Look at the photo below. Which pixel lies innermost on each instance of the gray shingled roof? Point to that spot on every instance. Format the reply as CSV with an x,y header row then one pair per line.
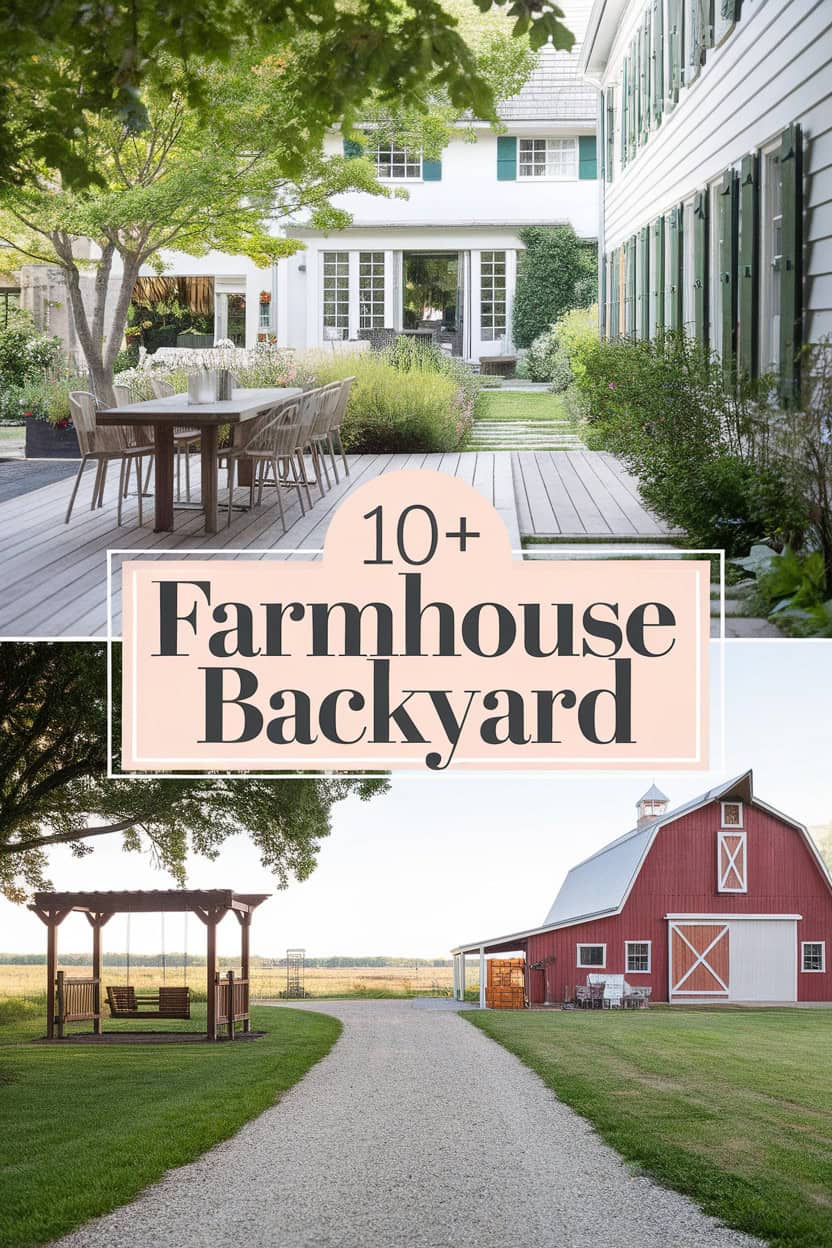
x,y
555,89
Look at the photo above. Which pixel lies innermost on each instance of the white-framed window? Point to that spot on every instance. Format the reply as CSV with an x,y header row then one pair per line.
x,y
637,957
732,861
547,158
592,957
731,814
396,164
493,303
813,956
371,290
336,293
265,318
771,260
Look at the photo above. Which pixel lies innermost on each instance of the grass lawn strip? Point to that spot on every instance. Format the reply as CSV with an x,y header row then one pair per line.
x,y
518,405
84,1129
731,1108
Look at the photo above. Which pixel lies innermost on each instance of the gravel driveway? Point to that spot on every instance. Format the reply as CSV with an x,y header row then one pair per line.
x,y
419,1131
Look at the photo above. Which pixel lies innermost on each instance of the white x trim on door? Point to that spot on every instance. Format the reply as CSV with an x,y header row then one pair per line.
x,y
701,958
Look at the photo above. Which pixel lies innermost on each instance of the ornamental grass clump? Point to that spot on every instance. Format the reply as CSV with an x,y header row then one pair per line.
x,y
398,411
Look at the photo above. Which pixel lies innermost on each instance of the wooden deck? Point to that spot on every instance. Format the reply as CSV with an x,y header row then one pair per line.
x,y
579,496
54,575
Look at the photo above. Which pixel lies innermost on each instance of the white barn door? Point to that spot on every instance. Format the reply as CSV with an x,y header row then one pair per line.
x,y
734,959
764,960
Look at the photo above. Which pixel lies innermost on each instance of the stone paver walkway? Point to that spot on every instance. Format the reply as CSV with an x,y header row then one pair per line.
x,y
415,1132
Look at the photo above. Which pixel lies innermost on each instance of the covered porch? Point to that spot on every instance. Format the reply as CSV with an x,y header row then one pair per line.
x,y
514,948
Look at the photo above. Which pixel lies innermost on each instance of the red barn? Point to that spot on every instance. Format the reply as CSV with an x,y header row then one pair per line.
x,y
722,899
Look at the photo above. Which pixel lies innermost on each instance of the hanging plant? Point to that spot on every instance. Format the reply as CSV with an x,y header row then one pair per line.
x,y
265,296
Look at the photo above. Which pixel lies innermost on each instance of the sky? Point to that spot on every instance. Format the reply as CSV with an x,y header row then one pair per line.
x,y
445,859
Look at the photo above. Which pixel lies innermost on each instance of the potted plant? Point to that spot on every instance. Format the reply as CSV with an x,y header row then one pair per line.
x,y
44,407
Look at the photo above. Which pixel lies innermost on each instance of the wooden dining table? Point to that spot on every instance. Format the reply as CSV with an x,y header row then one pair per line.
x,y
175,412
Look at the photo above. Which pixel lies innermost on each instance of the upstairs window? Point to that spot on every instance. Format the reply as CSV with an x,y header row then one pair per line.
x,y
396,164
732,814
547,158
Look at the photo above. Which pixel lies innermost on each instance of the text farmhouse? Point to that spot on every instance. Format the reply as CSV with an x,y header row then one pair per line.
x,y
255,687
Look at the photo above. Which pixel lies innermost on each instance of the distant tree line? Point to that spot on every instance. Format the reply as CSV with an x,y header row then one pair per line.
x,y
180,959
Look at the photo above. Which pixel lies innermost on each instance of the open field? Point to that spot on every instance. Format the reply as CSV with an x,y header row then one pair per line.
x,y
343,981
68,1153
731,1107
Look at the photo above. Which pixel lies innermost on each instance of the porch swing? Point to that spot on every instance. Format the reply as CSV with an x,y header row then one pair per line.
x,y
162,1002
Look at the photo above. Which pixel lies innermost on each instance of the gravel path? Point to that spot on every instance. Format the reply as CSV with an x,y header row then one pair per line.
x,y
415,1132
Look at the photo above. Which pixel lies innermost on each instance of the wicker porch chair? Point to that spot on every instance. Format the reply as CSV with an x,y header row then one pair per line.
x,y
185,439
104,445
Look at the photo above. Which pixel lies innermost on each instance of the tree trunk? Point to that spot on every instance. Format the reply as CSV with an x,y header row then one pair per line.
x,y
99,350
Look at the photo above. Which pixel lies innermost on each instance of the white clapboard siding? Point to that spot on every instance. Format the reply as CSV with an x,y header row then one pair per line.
x,y
773,69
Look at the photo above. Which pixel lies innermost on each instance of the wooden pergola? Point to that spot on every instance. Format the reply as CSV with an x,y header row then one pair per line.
x,y
227,1001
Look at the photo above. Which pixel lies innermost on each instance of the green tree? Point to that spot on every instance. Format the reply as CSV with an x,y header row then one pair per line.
x,y
557,272
54,790
63,66
177,185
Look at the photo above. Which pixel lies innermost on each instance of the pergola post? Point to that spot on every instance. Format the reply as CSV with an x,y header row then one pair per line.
x,y
245,959
53,919
482,977
462,977
211,974
96,922
456,977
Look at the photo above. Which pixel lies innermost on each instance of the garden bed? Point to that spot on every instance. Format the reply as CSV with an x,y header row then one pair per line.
x,y
46,441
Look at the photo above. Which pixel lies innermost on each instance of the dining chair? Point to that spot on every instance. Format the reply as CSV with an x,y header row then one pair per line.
x,y
335,428
271,438
308,407
319,440
103,444
140,435
185,439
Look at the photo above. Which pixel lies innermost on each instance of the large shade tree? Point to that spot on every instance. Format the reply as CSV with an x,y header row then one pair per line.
x,y
65,64
180,185
54,790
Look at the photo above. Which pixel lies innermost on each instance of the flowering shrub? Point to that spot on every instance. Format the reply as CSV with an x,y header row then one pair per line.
x,y
24,353
48,400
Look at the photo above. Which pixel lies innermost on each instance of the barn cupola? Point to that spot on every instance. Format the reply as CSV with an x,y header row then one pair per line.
x,y
651,806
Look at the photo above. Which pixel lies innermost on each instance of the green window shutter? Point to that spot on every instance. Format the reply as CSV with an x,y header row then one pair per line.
x,y
615,305
748,344
632,288
646,78
609,164
674,273
730,9
352,149
706,22
644,283
506,158
675,34
632,107
701,239
658,271
624,110
700,266
639,87
431,170
658,60
602,298
790,165
587,157
728,219
693,50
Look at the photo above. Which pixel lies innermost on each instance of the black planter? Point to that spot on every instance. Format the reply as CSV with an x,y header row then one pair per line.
x,y
44,441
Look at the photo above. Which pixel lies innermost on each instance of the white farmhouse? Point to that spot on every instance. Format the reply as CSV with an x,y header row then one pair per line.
x,y
715,153
444,259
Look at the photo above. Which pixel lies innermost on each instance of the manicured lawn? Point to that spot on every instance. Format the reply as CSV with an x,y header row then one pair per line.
x,y
82,1130
519,405
732,1107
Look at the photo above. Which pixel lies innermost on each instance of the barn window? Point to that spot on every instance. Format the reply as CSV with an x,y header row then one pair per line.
x,y
637,956
732,814
732,866
592,956
813,955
